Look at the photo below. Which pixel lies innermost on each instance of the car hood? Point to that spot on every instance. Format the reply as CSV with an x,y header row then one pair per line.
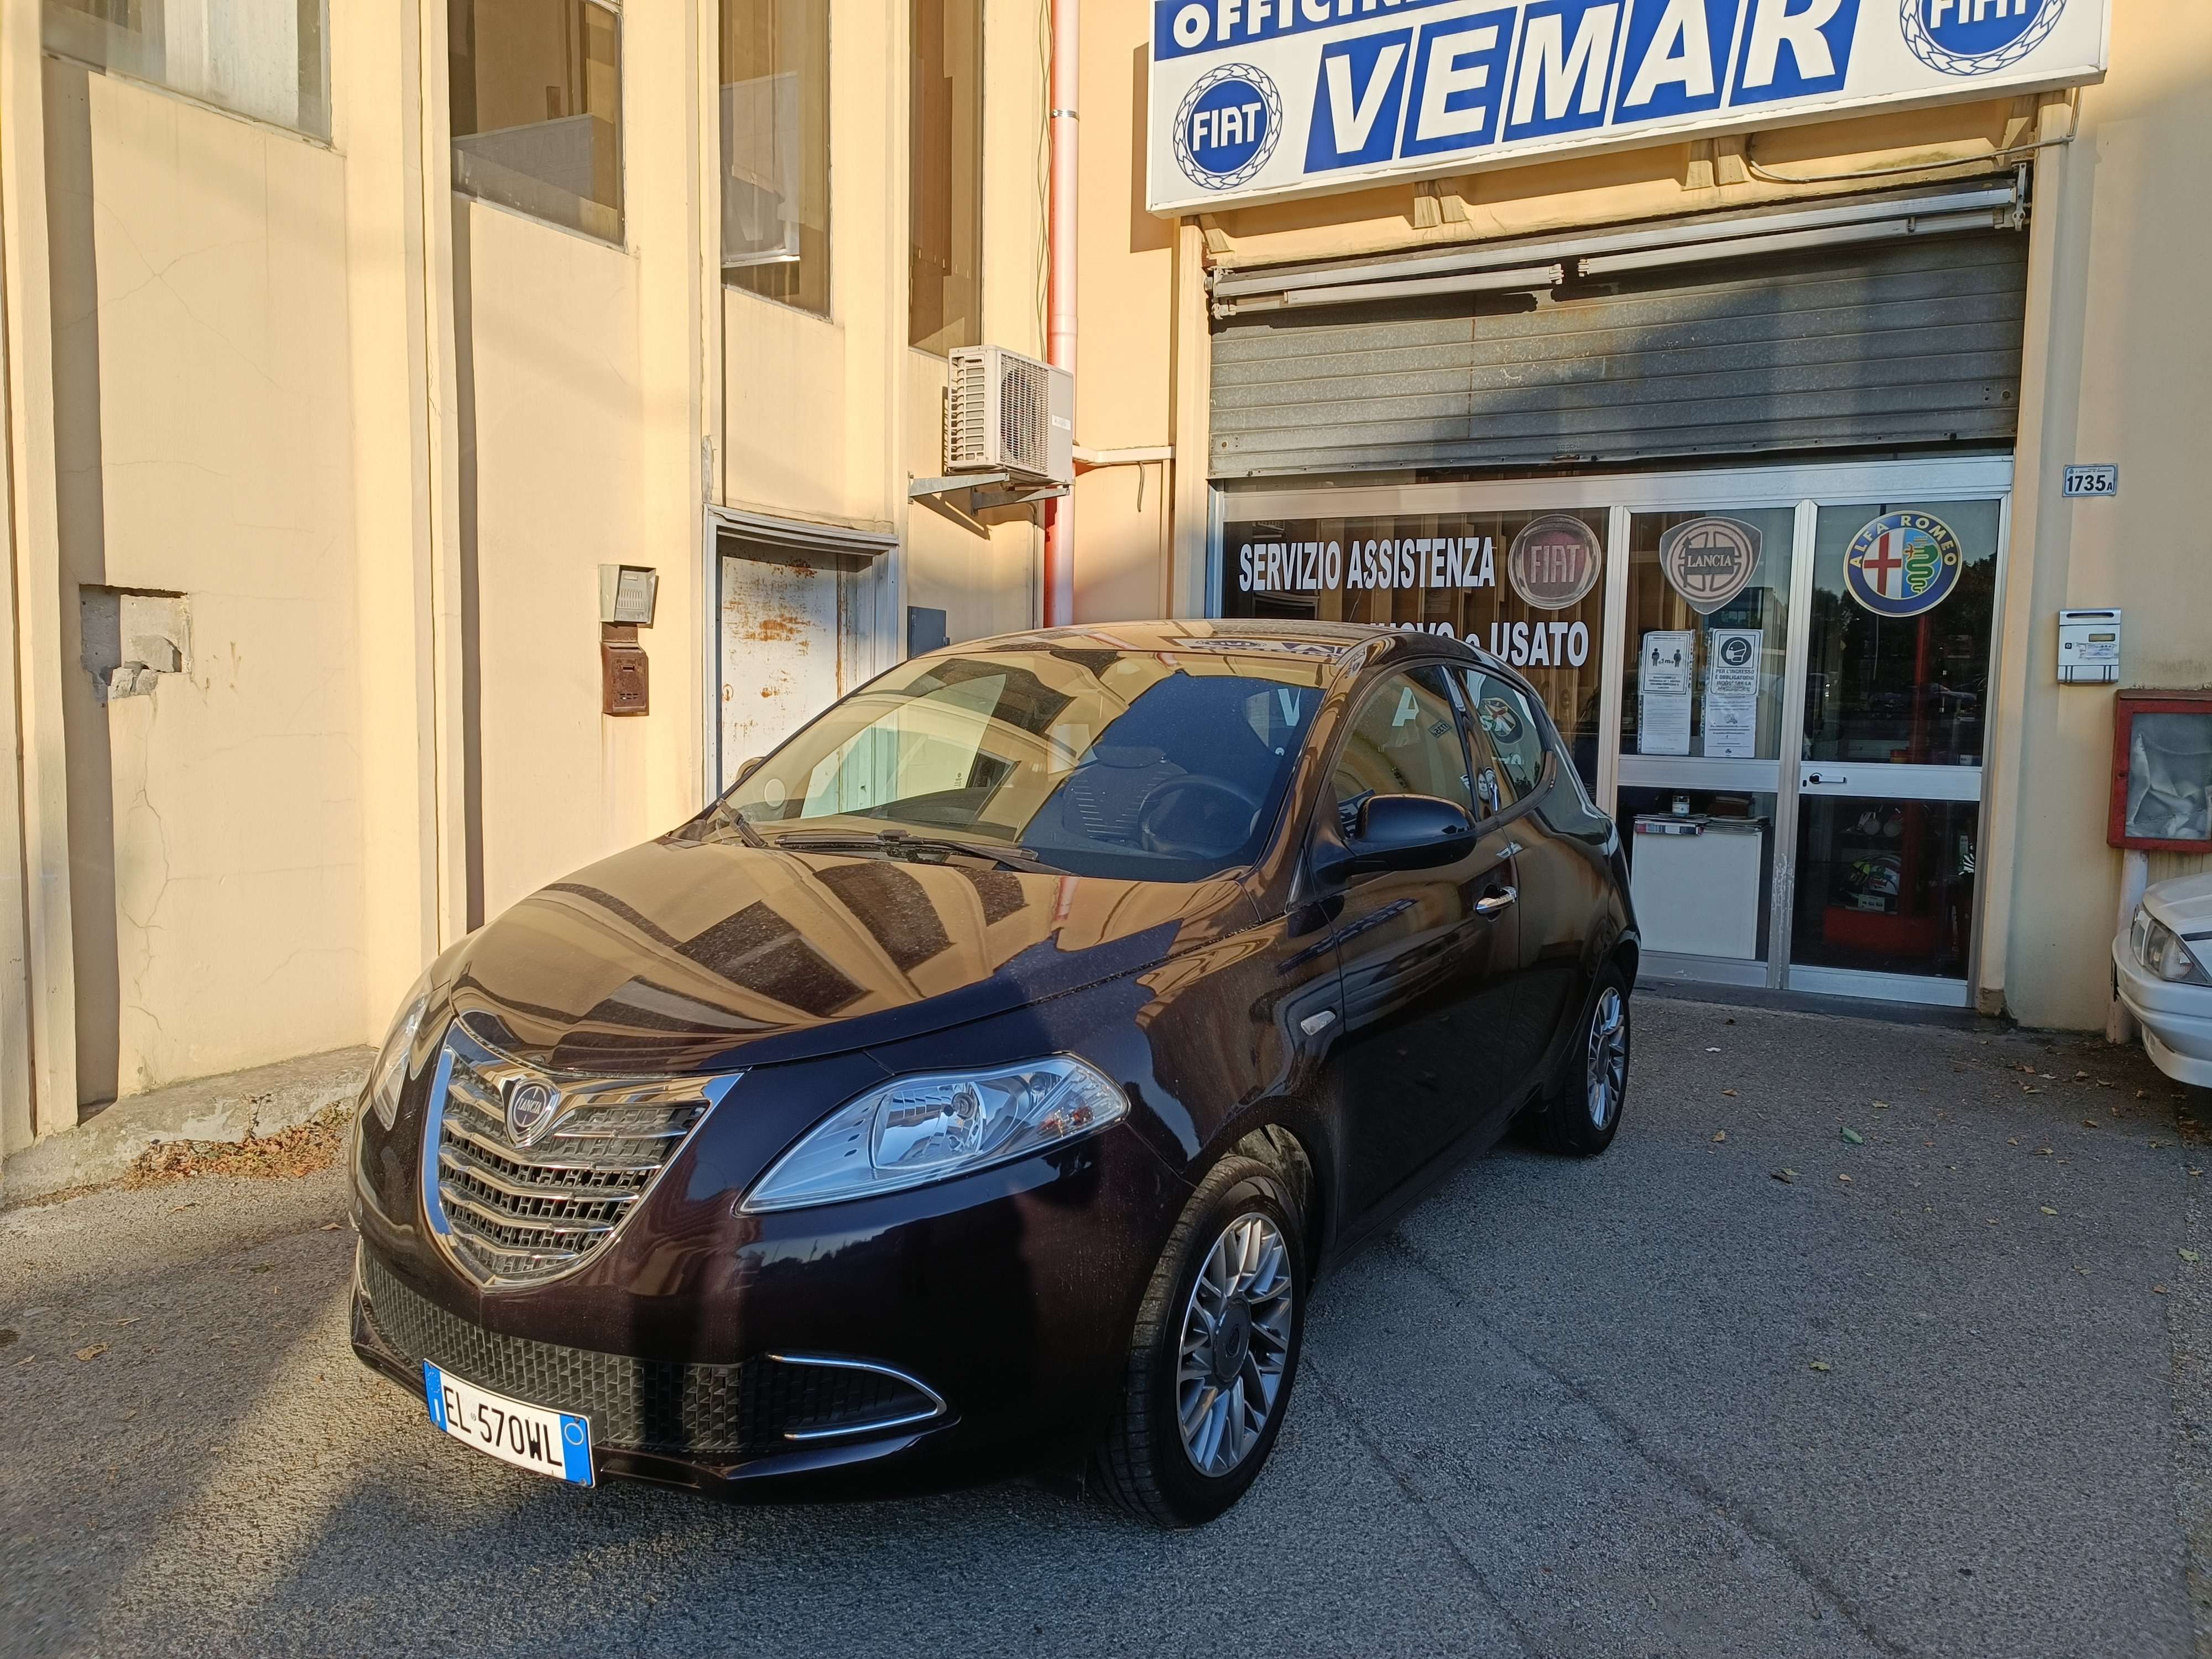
x,y
687,954
2183,904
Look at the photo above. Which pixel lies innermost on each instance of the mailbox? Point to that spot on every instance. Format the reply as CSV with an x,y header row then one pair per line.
x,y
625,675
2162,772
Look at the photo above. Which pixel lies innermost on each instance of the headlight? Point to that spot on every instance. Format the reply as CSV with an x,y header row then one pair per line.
x,y
391,1071
913,1130
2165,953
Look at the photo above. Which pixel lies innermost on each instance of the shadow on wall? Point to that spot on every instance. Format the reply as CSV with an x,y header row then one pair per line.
x,y
73,271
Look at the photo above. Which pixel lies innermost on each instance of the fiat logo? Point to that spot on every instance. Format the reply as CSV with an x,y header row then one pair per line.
x,y
530,1109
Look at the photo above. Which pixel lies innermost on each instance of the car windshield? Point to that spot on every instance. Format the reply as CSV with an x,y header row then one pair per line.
x,y
1161,766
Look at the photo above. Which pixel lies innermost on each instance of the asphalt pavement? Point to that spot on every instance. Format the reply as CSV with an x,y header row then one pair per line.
x,y
1941,1391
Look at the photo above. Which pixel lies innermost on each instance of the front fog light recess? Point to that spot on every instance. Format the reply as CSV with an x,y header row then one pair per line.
x,y
918,1129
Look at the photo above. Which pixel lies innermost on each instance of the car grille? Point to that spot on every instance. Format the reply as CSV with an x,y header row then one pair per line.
x,y
710,1412
514,1214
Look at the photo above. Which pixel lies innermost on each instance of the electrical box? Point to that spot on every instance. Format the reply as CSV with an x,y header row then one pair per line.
x,y
628,593
625,674
2088,648
2161,772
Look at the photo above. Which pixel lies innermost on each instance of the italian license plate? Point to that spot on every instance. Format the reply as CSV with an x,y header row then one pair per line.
x,y
558,1443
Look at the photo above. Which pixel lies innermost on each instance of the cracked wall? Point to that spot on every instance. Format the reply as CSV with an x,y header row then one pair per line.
x,y
201,416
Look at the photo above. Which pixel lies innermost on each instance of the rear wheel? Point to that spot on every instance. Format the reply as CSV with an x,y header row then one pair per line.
x,y
1214,1353
1583,1113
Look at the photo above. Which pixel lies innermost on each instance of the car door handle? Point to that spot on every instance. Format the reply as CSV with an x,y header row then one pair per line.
x,y
1495,902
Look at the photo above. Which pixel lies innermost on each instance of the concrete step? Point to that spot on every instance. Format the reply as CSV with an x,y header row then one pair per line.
x,y
234,1106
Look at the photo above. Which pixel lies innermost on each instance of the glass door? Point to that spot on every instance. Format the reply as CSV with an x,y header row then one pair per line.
x,y
1703,672
1896,685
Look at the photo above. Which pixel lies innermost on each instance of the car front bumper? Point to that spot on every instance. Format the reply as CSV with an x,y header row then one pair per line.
x,y
771,1357
2176,1019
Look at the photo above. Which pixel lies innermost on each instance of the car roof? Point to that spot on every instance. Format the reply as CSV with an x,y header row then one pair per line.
x,y
1251,636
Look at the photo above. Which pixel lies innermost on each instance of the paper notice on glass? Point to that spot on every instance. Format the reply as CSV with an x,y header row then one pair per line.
x,y
1663,723
1670,657
1732,693
1665,666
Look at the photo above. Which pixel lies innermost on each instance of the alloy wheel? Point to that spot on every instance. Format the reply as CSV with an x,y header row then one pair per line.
x,y
1606,1076
1235,1342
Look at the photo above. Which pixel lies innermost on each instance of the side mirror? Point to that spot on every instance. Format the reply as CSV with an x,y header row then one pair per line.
x,y
748,768
1397,832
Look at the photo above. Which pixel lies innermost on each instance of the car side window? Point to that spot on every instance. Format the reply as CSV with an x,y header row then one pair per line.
x,y
1509,727
1403,741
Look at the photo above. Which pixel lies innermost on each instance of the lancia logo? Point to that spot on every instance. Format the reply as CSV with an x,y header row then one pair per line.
x,y
1710,561
529,1111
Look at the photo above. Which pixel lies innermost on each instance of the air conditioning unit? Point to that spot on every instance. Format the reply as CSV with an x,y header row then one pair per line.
x,y
1012,414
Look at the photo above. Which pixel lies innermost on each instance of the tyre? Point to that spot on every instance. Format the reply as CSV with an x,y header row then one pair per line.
x,y
1582,1113
1214,1353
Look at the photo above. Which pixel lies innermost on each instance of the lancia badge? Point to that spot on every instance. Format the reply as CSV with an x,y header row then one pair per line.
x,y
529,1111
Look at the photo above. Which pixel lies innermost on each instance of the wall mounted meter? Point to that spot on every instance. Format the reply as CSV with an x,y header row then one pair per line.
x,y
2088,648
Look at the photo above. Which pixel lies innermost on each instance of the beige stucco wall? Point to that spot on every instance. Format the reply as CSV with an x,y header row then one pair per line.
x,y
2125,369
202,437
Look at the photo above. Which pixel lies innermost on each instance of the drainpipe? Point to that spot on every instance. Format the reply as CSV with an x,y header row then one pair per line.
x,y
1060,327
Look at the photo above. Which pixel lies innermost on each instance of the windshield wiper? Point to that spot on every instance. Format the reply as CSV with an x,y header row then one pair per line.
x,y
896,843
735,817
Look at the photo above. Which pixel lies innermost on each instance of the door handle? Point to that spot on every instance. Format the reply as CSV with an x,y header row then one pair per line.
x,y
1495,903
1815,778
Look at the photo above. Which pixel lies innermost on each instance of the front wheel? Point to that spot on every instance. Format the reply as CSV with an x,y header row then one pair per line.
x,y
1214,1353
1584,1112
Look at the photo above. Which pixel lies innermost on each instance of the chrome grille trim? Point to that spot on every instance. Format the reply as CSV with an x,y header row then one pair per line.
x,y
509,1214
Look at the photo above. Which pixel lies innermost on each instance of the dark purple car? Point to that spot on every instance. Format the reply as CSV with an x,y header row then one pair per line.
x,y
982,1083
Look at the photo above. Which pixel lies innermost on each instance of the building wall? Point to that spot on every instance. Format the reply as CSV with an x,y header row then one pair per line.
x,y
201,411
2125,367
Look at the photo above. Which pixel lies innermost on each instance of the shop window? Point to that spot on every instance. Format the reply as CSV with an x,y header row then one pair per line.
x,y
536,88
944,176
1708,617
1528,586
775,150
265,58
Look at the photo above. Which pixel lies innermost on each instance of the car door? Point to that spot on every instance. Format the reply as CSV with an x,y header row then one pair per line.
x,y
1427,957
1560,886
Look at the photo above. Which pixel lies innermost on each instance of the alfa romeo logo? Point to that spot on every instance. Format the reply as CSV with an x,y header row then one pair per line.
x,y
1977,37
1903,564
1228,126
531,1108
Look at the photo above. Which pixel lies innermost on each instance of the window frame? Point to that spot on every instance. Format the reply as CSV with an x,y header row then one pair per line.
x,y
946,347
71,50
827,309
619,238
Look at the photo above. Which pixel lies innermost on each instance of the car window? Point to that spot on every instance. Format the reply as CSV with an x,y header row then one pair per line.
x,y
1510,727
1403,741
1098,762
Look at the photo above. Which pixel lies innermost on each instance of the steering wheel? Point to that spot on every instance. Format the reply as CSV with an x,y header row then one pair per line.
x,y
1161,801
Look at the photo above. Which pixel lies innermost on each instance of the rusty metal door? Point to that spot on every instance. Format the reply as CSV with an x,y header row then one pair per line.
x,y
781,637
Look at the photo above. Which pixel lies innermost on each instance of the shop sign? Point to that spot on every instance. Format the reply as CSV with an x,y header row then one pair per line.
x,y
1903,564
1710,561
1252,98
1554,562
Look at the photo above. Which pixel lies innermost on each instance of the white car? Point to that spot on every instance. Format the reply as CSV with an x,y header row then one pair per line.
x,y
2162,967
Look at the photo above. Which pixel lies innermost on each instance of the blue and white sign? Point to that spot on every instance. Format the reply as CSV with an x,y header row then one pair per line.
x,y
1254,99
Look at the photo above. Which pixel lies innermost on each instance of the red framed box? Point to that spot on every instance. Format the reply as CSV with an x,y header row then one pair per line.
x,y
2161,772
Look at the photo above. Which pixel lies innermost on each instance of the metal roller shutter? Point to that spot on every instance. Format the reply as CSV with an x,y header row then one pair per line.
x,y
1895,344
